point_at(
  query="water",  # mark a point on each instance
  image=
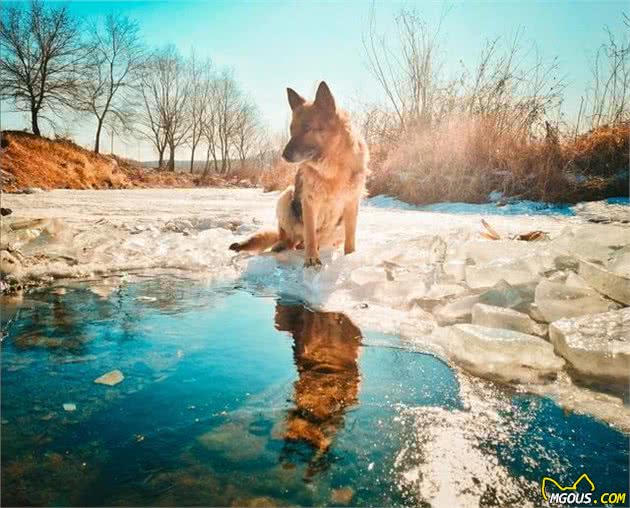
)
(233, 398)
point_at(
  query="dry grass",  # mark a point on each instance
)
(279, 177)
(40, 162)
(27, 161)
(601, 152)
(466, 160)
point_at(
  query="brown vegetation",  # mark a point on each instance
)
(466, 160)
(279, 177)
(495, 127)
(27, 161)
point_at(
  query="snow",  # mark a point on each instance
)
(415, 273)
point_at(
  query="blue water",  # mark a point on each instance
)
(231, 398)
(510, 207)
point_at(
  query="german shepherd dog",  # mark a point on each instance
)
(320, 209)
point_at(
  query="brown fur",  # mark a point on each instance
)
(320, 209)
(326, 351)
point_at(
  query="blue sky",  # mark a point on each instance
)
(272, 44)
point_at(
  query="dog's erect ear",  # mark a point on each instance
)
(324, 99)
(295, 99)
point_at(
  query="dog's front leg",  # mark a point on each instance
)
(350, 225)
(311, 247)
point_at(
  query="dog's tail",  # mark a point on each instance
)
(259, 242)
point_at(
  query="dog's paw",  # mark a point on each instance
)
(236, 247)
(313, 262)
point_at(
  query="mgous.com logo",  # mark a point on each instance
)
(581, 492)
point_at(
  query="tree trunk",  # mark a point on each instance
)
(97, 142)
(192, 159)
(171, 158)
(161, 158)
(35, 123)
(207, 167)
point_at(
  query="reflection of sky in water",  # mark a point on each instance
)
(218, 407)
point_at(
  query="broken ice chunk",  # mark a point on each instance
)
(456, 268)
(487, 251)
(504, 355)
(439, 291)
(399, 294)
(422, 250)
(576, 281)
(110, 378)
(499, 317)
(620, 262)
(556, 301)
(367, 274)
(10, 265)
(613, 285)
(503, 294)
(516, 271)
(593, 242)
(596, 345)
(457, 311)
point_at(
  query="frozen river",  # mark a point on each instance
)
(525, 327)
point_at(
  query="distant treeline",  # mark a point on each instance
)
(52, 64)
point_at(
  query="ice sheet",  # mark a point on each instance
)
(413, 271)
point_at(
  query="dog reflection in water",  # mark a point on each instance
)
(326, 348)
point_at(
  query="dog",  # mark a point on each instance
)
(320, 209)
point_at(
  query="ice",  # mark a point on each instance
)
(10, 266)
(591, 242)
(500, 354)
(422, 250)
(412, 270)
(620, 262)
(613, 285)
(441, 291)
(503, 294)
(457, 311)
(398, 294)
(482, 252)
(367, 274)
(576, 281)
(583, 400)
(557, 300)
(596, 345)
(516, 271)
(499, 317)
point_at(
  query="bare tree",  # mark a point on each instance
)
(151, 114)
(116, 59)
(210, 130)
(512, 96)
(227, 102)
(406, 71)
(246, 131)
(199, 103)
(40, 56)
(609, 96)
(507, 90)
(165, 92)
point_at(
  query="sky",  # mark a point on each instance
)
(272, 44)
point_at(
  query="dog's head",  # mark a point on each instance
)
(313, 127)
